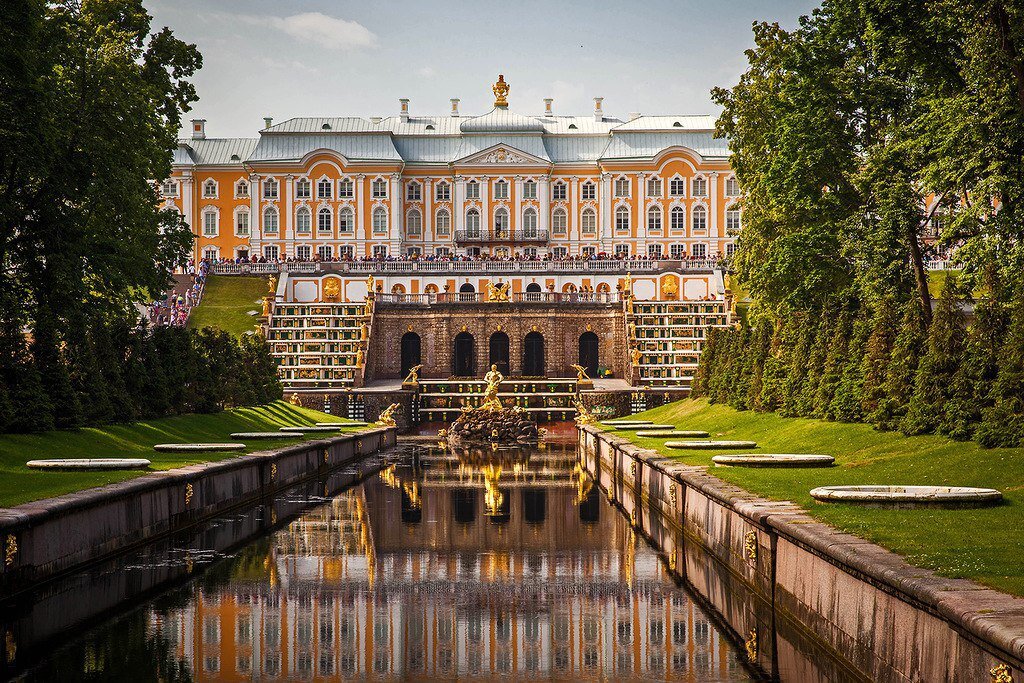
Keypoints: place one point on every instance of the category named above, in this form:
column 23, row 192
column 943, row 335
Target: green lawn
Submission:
column 226, row 303
column 19, row 484
column 986, row 545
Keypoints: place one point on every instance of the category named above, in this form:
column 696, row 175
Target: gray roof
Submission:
column 356, row 147
column 668, row 123
column 313, row 124
column 648, row 145
column 214, row 151
column 501, row 120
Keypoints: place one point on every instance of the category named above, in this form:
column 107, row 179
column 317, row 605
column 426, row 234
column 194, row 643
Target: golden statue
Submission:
column 386, row 418
column 500, row 90
column 498, row 293
column 670, row 288
column 582, row 378
column 637, row 354
column 360, row 357
column 364, row 331
column 266, row 305
column 627, row 286
column 632, row 330
column 412, row 380
column 583, row 416
column 494, row 380
column 332, row 288
column 370, row 280
column 272, row 285
column 294, row 400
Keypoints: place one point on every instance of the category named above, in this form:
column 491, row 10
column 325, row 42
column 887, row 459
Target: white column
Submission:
column 397, row 219
column 573, row 231
column 544, row 195
column 458, row 203
column 255, row 216
column 187, row 209
column 517, row 220
column 641, row 213
column 360, row 228
column 289, row 221
column 713, row 218
column 428, row 212
column 485, row 204
column 605, row 214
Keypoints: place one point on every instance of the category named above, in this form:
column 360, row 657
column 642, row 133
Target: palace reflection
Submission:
column 452, row 565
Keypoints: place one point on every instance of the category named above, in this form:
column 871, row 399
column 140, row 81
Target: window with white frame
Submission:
column 380, row 220
column 677, row 251
column 501, row 221
column 211, row 253
column 242, row 189
column 324, row 220
column 622, row 218
column 443, row 223
column 588, row 190
column 730, row 249
column 472, row 190
column 380, row 251
column 346, row 220
column 677, row 187
column 169, row 188
column 677, row 219
column 622, row 250
column 270, row 189
column 413, row 223
column 443, row 192
column 324, row 187
column 209, row 223
column 442, row 251
column 242, row 223
column 303, row 189
column 733, row 220
column 560, row 252
column 303, row 252
column 501, row 189
column 622, row 187
column 700, row 218
column 700, row 251
column 346, row 251
column 413, row 192
column 346, row 189
column 303, row 220
column 732, row 187
column 560, row 221
column 654, row 187
column 270, row 222
column 210, row 189
column 473, row 223
column 530, row 252
column 588, row 221
column 700, row 186
column 654, row 219
column 654, row 251
column 529, row 223
column 379, row 188
column 414, row 252
column 589, row 252
column 271, row 252
column 530, row 189
column 559, row 192
column 325, row 252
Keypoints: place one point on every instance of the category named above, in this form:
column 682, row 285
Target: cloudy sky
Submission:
column 324, row 58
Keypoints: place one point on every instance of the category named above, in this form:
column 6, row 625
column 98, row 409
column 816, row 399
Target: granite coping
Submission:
column 78, row 464
column 780, row 460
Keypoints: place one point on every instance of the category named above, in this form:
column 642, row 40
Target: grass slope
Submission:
column 225, row 302
column 19, row 484
column 986, row 545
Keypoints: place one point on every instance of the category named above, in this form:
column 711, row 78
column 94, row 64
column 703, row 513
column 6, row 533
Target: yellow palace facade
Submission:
column 496, row 184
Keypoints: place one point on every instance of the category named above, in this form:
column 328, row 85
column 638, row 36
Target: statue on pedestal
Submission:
column 582, row 379
column 386, row 418
column 494, row 380
column 412, row 380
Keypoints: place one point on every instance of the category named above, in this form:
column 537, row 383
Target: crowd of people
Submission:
column 447, row 257
column 175, row 308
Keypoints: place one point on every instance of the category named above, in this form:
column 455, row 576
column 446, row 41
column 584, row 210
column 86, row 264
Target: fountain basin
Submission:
column 197, row 447
column 67, row 464
column 670, row 433
column 774, row 460
column 710, row 445
column 909, row 496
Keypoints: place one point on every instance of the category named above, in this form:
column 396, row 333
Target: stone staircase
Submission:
column 669, row 335
column 320, row 345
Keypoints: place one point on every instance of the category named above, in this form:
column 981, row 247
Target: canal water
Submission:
column 415, row 564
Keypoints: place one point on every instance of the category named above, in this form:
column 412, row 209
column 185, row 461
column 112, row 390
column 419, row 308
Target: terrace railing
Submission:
column 517, row 297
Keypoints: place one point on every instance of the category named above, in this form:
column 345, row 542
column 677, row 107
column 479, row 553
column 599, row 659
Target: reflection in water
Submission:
column 440, row 566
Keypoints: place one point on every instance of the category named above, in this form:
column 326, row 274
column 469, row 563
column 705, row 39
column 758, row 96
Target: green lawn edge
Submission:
column 19, row 484
column 985, row 545
column 227, row 299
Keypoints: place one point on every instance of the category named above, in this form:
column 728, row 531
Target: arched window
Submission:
column 211, row 253
column 413, row 192
column 622, row 218
column 559, row 191
column 380, row 220
column 678, row 219
column 413, row 223
column 242, row 189
column 733, row 220
column 677, row 187
column 324, row 220
column 303, row 220
column 700, row 218
column 501, row 189
column 654, row 187
column 533, row 355
column 169, row 188
column 501, row 221
column 345, row 189
column 559, row 222
column 473, row 223
column 443, row 192
column 210, row 189
column 323, row 188
column 588, row 191
column 302, row 189
column 529, row 223
column 443, row 223
column 270, row 220
column 700, row 186
column 270, row 189
column 530, row 189
column 242, row 222
column 654, row 219
column 379, row 187
column 732, row 187
column 346, row 220
column 589, row 221
column 472, row 190
column 463, row 355
column 622, row 187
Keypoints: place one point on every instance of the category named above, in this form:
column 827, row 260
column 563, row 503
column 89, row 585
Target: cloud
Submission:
column 426, row 72
column 320, row 29
column 292, row 65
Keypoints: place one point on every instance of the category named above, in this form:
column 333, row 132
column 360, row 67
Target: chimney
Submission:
column 598, row 112
column 268, row 121
column 403, row 109
column 455, row 106
column 198, row 129
column 634, row 115
column 547, row 106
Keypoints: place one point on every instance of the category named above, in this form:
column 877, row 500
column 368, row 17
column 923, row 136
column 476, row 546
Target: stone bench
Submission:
column 301, row 430
column 774, row 460
column 668, row 434
column 197, row 447
column 710, row 445
column 908, row 496
column 67, row 464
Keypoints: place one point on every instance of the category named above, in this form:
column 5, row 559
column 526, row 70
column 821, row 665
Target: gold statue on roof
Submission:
column 500, row 89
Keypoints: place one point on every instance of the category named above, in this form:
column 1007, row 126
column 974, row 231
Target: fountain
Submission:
column 492, row 422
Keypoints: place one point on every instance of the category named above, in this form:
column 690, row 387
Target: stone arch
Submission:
column 533, row 355
column 411, row 352
column 498, row 352
column 589, row 352
column 464, row 355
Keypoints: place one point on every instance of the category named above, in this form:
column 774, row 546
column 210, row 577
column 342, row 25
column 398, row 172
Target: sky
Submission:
column 289, row 58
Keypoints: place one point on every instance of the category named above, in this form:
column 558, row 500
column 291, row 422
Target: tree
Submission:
column 1003, row 423
column 901, row 368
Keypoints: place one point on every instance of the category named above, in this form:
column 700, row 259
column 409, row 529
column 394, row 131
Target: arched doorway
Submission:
column 463, row 356
column 467, row 288
column 533, row 355
column 410, row 352
column 498, row 352
column 533, row 287
column 590, row 347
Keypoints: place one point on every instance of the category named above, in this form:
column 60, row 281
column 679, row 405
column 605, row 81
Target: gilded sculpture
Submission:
column 499, row 293
column 494, row 379
column 501, row 89
column 582, row 378
column 583, row 416
column 386, row 418
column 412, row 380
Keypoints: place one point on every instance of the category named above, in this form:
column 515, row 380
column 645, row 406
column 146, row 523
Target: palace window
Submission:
column 588, row 222
column 443, row 192
column 733, row 220
column 677, row 187
column 654, row 219
column 346, row 189
column 346, row 251
column 622, row 218
column 589, row 252
column 346, row 220
column 530, row 252
column 303, row 221
column 413, row 223
column 529, row 223
column 324, row 220
column 677, row 251
column 700, row 218
column 413, row 252
column 732, row 187
column 210, row 189
column 380, row 220
column 677, row 219
column 211, row 253
column 242, row 223
column 588, row 190
column 209, row 223
column 303, row 189
column 472, row 190
column 501, row 222
column 559, row 222
column 730, row 249
column 501, row 190
column 530, row 189
column 413, row 193
column 323, row 188
column 242, row 189
column 622, row 187
column 442, row 252
column 443, row 223
column 270, row 189
column 654, row 250
column 700, row 186
column 560, row 252
column 325, row 252
column 473, row 223
column 303, row 252
column 379, row 188
column 270, row 220
column 380, row 251
column 169, row 188
column 700, row 251
column 654, row 187
column 271, row 252
column 559, row 192
column 622, row 250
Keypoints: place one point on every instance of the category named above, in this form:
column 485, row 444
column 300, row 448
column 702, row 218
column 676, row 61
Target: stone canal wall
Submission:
column 51, row 536
column 786, row 572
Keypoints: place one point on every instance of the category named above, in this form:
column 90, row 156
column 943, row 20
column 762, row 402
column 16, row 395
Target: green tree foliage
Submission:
column 1003, row 423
